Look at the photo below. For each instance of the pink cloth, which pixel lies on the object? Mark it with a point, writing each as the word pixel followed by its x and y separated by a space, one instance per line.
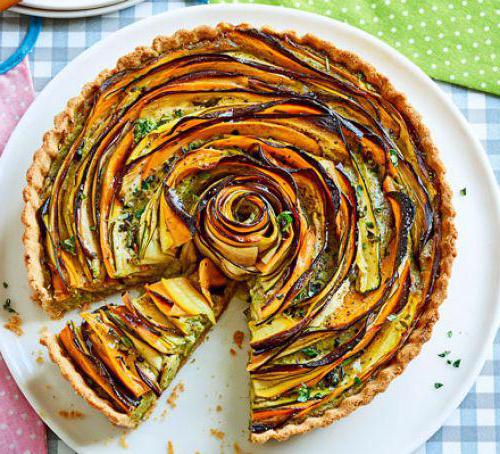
pixel 21 430
pixel 16 94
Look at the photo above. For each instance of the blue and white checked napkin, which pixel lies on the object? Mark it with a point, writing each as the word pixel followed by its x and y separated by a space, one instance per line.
pixel 474 428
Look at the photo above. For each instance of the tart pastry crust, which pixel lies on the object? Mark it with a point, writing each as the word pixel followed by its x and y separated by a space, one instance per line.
pixel 63 126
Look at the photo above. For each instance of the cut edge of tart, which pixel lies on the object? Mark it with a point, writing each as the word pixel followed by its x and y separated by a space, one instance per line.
pixel 79 106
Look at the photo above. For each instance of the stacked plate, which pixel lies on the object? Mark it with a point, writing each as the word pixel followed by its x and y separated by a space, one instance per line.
pixel 71 8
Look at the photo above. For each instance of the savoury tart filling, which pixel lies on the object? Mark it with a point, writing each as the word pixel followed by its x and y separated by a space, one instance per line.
pixel 257 161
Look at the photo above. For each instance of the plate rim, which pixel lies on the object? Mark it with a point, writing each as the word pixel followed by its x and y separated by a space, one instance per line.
pixel 410 66
pixel 78 13
pixel 55 5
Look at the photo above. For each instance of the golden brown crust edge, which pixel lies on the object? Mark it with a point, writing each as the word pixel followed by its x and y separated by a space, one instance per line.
pixel 422 332
pixel 76 380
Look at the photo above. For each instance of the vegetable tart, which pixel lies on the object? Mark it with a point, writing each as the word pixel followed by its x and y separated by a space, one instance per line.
pixel 235 158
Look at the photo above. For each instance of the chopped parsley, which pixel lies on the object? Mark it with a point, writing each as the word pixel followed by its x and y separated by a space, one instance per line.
pixel 5 285
pixel 138 213
pixel 127 342
pixel 449 333
pixel 392 317
pixel 357 380
pixel 445 353
pixel 284 220
pixel 310 352
pixel 370 224
pixel 438 385
pixel 69 245
pixel 393 154
pixel 303 394
pixel 463 192
pixel 195 144
pixel 142 127
pixel 456 363
pixel 8 306
pixel 146 184
pixel 177 113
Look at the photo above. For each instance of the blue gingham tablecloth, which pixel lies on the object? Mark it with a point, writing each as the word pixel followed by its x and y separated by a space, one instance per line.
pixel 474 427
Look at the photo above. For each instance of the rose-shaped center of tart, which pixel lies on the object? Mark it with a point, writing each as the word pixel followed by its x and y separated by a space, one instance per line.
pixel 246 225
pixel 264 213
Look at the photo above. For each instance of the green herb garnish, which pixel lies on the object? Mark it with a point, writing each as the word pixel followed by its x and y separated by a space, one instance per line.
pixel 138 213
pixel 284 220
pixel 8 306
pixel 438 385
pixel 463 192
pixel 456 363
pixel 445 353
pixel 177 113
pixel 142 127
pixel 5 285
pixel 357 380
pixel 69 245
pixel 303 394
pixel 310 352
pixel 449 333
pixel 146 184
pixel 127 342
pixel 195 144
pixel 393 154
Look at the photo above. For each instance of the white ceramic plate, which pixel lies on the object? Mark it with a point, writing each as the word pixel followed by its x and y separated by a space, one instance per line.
pixel 397 421
pixel 67 4
pixel 110 7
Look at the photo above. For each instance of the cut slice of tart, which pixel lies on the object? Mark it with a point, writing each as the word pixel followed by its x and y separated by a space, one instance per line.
pixel 234 157
pixel 120 358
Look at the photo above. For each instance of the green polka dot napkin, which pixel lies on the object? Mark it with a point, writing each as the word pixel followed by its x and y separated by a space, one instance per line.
pixel 456 41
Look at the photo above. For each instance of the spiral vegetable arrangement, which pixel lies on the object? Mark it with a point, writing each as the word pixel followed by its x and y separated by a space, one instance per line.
pixel 279 170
